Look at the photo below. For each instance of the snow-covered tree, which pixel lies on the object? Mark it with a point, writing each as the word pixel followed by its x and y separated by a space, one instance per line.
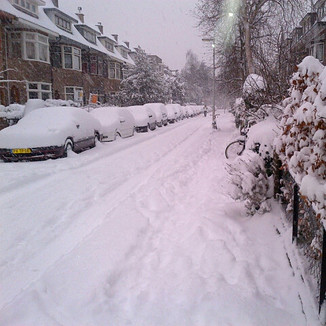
pixel 143 84
pixel 197 79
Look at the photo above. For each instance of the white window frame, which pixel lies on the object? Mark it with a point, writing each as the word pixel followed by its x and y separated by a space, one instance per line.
pixel 313 51
pixel 75 53
pixel 39 90
pixel 109 46
pixel 89 36
pixel 62 23
pixel 124 53
pixel 38 41
pixel 27 5
pixel 76 92
pixel 115 67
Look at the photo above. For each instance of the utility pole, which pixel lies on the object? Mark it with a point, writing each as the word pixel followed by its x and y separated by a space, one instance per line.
pixel 214 91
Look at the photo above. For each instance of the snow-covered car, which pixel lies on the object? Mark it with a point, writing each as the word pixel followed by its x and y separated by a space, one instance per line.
pixel 49 133
pixel 178 110
pixel 144 118
pixel 172 113
pixel 160 112
pixel 115 122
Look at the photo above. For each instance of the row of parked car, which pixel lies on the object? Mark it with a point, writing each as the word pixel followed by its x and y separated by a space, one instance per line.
pixel 51 132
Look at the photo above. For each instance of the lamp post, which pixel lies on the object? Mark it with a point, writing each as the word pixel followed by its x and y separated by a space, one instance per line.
pixel 214 93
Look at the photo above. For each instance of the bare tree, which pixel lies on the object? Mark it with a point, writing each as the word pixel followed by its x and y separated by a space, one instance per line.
pixel 254 27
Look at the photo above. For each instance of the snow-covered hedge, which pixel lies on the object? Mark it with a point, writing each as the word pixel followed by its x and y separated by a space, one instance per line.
pixel 301 145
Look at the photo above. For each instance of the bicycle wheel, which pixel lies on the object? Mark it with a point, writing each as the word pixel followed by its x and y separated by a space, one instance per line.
pixel 234 149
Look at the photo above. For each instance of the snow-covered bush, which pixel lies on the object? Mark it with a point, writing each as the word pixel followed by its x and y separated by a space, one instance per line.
pixel 251 182
pixel 253 91
pixel 302 142
pixel 12 112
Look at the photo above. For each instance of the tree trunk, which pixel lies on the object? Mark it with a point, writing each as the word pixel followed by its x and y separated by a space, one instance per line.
pixel 249 58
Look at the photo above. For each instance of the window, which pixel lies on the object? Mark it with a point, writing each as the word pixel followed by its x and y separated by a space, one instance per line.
pixel 89 36
pixel 317 50
pixel 115 71
pixel 71 58
pixel 30 46
pixel 93 65
pixel 124 53
pixel 39 91
pixel 74 93
pixel 16 45
pixel 109 46
pixel 27 6
pixel 63 23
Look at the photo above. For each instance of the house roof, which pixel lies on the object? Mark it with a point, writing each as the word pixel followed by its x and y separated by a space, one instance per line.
pixel 44 23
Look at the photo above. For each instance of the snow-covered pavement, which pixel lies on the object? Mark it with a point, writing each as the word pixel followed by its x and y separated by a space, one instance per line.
pixel 142 232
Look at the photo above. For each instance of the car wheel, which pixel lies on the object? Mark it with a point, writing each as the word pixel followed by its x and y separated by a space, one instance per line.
pixel 68 147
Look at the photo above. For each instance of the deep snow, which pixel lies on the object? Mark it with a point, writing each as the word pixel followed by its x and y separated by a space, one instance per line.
pixel 142 231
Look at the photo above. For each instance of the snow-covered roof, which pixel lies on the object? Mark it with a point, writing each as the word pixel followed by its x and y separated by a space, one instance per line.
pixel 44 23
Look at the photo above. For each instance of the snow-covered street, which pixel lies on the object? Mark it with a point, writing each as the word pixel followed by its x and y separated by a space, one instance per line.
pixel 142 231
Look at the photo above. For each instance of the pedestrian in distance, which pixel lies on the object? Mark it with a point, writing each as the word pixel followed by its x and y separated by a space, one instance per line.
pixel 205 110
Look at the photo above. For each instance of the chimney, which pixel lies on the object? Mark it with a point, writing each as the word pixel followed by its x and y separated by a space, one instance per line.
pixel 80 15
pixel 116 37
pixel 55 3
pixel 100 27
pixel 128 44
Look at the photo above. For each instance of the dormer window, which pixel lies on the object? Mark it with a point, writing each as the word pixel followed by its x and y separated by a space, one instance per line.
pixel 109 46
pixel 89 36
pixel 63 23
pixel 27 6
pixel 124 53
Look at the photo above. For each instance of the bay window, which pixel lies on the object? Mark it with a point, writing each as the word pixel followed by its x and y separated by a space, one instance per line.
pixel 30 46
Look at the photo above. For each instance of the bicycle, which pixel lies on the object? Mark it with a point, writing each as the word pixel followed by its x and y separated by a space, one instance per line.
pixel 236 147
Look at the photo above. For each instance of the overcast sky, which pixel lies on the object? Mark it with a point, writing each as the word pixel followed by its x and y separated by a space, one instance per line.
pixel 162 27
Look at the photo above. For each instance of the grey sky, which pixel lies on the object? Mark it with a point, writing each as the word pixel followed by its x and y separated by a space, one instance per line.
pixel 162 27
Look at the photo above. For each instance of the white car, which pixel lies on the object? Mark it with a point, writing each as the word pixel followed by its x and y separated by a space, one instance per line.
pixel 144 118
pixel 172 113
pixel 115 122
pixel 49 133
pixel 160 112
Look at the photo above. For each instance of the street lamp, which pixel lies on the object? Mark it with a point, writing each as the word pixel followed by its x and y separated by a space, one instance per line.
pixel 214 95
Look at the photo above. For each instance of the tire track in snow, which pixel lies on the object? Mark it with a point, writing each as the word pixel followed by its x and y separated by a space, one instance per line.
pixel 33 270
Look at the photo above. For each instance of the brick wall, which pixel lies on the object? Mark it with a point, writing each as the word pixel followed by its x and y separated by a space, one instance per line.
pixel 25 70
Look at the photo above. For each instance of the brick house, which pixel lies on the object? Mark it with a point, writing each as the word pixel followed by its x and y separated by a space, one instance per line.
pixel 310 37
pixel 47 52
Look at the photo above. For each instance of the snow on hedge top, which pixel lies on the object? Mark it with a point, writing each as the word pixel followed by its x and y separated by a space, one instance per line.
pixel 253 83
pixel 264 133
pixel 310 66
pixel 302 142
